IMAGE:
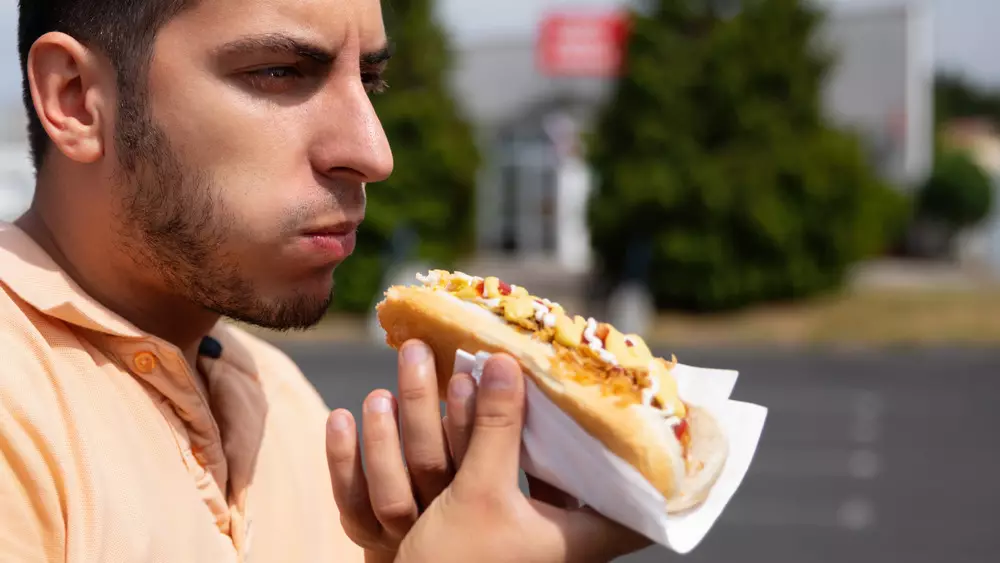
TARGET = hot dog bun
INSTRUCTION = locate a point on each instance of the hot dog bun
(682, 470)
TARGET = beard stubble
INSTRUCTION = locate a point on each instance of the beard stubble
(172, 224)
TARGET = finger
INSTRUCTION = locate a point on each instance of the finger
(388, 483)
(544, 492)
(461, 408)
(350, 488)
(424, 443)
(492, 459)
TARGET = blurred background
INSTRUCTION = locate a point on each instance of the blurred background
(806, 192)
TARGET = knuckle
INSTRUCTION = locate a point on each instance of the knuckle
(495, 420)
(341, 455)
(414, 393)
(428, 463)
(395, 512)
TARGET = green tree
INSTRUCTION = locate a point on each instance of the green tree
(958, 193)
(955, 96)
(714, 152)
(431, 190)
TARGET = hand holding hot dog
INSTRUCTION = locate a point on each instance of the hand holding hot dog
(483, 516)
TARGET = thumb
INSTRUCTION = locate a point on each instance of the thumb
(493, 456)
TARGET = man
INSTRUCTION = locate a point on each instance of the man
(202, 159)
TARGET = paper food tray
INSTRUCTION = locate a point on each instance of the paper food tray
(558, 451)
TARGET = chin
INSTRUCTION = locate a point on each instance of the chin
(299, 311)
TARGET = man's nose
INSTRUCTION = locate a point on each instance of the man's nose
(350, 139)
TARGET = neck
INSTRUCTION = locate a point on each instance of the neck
(97, 266)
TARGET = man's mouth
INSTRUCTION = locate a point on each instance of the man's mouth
(330, 243)
(333, 229)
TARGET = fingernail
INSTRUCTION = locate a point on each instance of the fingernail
(497, 378)
(415, 353)
(338, 422)
(379, 405)
(462, 388)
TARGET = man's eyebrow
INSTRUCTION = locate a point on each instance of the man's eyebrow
(276, 43)
(375, 58)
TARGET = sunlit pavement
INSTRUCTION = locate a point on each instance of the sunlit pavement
(878, 456)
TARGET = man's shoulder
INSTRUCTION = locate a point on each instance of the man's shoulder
(278, 372)
(31, 391)
(25, 338)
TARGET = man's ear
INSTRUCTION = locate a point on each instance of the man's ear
(69, 87)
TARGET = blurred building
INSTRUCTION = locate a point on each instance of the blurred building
(533, 190)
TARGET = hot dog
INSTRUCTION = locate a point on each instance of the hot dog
(607, 382)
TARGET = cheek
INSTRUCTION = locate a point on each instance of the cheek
(219, 128)
(255, 161)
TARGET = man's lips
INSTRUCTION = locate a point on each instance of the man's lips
(332, 243)
(337, 229)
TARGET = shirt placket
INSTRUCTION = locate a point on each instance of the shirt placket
(241, 409)
(195, 428)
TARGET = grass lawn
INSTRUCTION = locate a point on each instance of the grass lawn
(870, 317)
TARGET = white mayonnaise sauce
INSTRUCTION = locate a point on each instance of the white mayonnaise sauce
(540, 310)
(430, 279)
(549, 320)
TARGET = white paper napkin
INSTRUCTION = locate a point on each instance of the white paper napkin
(558, 451)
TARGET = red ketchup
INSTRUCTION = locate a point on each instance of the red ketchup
(681, 429)
(503, 287)
(602, 332)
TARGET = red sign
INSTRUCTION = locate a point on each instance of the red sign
(591, 45)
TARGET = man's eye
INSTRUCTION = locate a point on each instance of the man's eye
(273, 80)
(374, 83)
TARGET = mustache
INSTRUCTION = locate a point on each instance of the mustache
(346, 203)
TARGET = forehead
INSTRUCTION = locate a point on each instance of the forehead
(332, 22)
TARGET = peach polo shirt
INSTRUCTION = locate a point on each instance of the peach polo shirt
(111, 452)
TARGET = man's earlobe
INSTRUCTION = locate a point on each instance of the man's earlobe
(67, 86)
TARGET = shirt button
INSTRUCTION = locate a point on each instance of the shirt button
(145, 362)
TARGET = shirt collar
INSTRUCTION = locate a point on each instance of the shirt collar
(34, 277)
(30, 273)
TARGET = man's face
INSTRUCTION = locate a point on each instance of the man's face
(246, 160)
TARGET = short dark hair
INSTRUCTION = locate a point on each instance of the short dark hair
(122, 30)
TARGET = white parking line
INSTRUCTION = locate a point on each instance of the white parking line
(856, 514)
(864, 464)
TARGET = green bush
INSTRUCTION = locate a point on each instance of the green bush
(436, 161)
(958, 192)
(714, 150)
